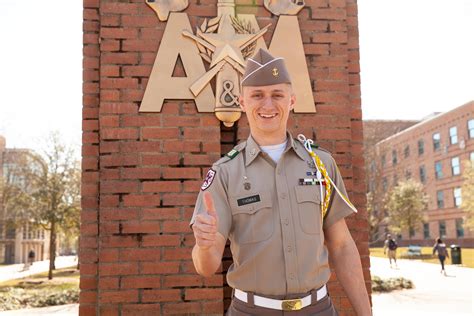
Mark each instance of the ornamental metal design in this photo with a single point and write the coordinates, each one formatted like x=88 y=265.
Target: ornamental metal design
x=223 y=43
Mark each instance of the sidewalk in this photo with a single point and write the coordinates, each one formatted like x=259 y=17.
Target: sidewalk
x=15 y=271
x=61 y=310
x=434 y=294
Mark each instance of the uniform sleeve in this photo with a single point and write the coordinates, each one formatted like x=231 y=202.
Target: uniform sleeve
x=338 y=208
x=215 y=182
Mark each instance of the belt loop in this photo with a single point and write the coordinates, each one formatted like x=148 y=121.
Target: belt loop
x=250 y=299
x=314 y=296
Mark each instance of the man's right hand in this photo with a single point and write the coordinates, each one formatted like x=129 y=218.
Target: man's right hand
x=205 y=225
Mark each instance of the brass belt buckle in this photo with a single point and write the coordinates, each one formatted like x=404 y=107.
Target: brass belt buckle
x=292 y=305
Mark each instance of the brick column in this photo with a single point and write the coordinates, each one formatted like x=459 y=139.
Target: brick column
x=142 y=171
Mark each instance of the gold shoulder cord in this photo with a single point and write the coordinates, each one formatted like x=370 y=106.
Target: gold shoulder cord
x=329 y=183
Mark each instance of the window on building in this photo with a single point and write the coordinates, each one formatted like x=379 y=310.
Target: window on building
x=24 y=231
x=421 y=147
x=453 y=135
x=459 y=228
x=406 y=151
x=383 y=160
x=10 y=232
x=394 y=157
x=422 y=174
x=436 y=141
x=407 y=174
x=384 y=184
x=395 y=180
x=42 y=234
x=442 y=229
x=455 y=168
x=372 y=166
x=411 y=232
x=440 y=199
x=470 y=128
x=1 y=230
x=426 y=230
x=438 y=170
x=457 y=197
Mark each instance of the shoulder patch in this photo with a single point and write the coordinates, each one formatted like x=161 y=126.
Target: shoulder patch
x=211 y=174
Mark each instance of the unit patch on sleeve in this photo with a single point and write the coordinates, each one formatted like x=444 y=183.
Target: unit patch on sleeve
x=209 y=178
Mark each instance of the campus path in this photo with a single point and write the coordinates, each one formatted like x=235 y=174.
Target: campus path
x=434 y=294
x=15 y=271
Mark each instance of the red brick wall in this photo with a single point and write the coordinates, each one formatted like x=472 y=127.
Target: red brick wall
x=141 y=171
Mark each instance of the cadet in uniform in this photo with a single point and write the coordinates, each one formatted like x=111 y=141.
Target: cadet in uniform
x=281 y=202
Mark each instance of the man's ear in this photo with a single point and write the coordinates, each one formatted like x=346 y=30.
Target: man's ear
x=292 y=101
x=241 y=102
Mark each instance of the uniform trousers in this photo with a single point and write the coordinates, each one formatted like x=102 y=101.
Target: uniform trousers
x=323 y=307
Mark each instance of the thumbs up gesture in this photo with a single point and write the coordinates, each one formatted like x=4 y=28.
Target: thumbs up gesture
x=205 y=225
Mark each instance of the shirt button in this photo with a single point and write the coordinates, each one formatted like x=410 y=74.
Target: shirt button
x=292 y=276
x=289 y=249
x=286 y=221
x=283 y=195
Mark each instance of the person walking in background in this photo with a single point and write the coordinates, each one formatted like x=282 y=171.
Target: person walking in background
x=440 y=248
x=392 y=246
x=31 y=257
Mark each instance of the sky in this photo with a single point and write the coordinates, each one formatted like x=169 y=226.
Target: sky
x=416 y=58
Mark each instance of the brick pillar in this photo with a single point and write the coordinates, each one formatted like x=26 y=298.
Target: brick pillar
x=142 y=171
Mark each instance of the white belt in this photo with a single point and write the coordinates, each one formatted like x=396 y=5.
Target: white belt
x=285 y=305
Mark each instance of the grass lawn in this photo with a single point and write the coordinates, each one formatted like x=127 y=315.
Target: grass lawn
x=467 y=255
x=38 y=291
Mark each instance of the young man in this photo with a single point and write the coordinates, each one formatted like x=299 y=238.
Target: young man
x=268 y=197
x=392 y=246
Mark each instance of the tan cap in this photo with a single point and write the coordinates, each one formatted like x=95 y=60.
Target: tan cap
x=264 y=70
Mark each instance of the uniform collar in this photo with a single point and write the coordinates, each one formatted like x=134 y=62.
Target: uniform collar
x=252 y=149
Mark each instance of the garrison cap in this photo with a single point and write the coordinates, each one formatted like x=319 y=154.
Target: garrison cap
x=264 y=70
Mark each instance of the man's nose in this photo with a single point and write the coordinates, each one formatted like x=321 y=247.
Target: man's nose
x=267 y=102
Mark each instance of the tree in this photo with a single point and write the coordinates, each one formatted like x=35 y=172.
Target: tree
x=406 y=203
x=44 y=190
x=468 y=194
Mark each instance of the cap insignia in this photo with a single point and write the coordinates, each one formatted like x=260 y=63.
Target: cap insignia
x=275 y=72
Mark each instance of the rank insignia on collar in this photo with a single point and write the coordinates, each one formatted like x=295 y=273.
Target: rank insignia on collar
x=209 y=178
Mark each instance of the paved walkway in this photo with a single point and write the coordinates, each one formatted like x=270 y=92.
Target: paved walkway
x=61 y=310
x=434 y=294
x=15 y=271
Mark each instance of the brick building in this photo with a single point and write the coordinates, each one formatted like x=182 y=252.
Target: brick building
x=374 y=132
x=16 y=242
x=432 y=152
x=142 y=171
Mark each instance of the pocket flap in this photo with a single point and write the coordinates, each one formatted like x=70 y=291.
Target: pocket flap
x=250 y=202
x=308 y=193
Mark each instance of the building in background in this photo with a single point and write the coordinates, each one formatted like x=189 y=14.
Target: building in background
x=374 y=132
x=432 y=152
x=17 y=242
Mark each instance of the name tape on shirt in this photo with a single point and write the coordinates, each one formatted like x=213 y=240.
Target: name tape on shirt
x=248 y=200
x=208 y=180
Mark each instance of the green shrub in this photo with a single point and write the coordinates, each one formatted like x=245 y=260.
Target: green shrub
x=16 y=298
x=388 y=285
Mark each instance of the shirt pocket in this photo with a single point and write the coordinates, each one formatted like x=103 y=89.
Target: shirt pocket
x=308 y=199
x=252 y=222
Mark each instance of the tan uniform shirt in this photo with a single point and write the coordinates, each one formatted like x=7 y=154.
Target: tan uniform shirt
x=274 y=224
